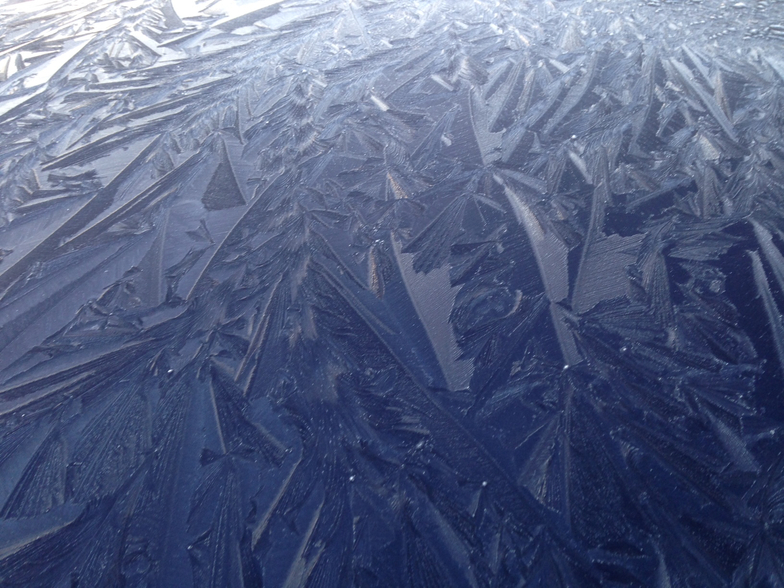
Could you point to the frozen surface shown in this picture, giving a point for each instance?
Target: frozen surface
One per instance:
(363, 293)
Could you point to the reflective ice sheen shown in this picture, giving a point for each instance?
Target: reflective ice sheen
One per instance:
(368, 293)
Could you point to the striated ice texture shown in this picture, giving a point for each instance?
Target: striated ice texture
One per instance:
(367, 293)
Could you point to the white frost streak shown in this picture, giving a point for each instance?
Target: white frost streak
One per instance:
(383, 106)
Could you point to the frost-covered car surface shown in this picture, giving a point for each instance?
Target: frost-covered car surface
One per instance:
(357, 293)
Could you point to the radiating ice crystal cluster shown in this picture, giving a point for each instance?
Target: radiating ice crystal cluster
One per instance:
(364, 293)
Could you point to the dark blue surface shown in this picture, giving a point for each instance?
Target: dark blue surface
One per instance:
(391, 294)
